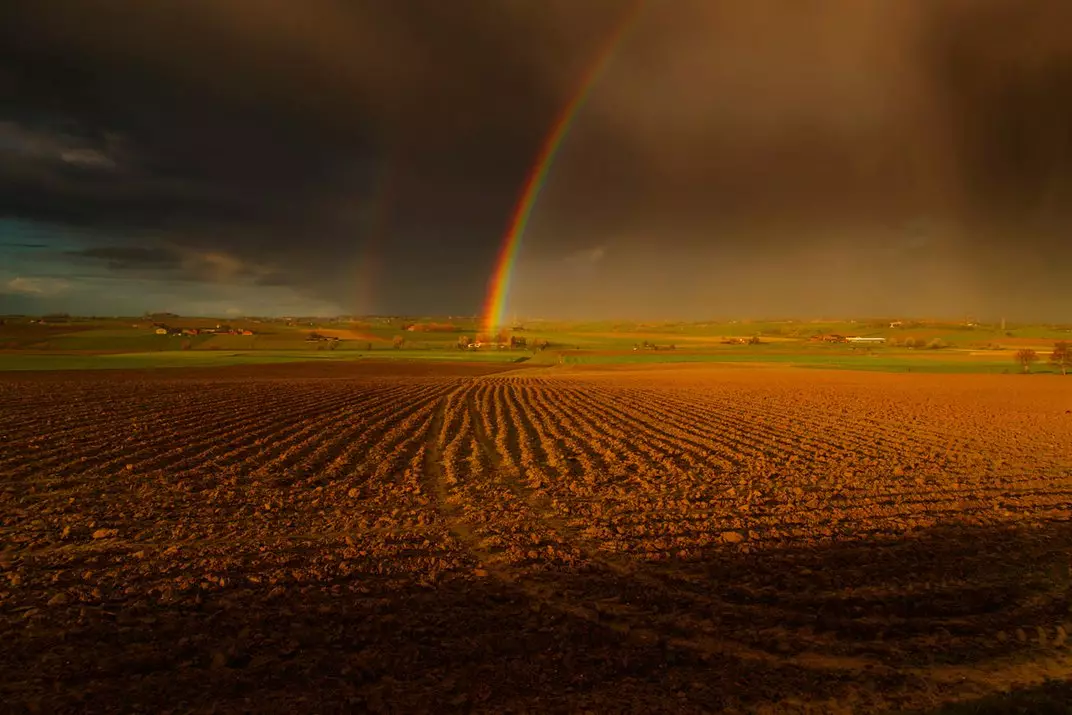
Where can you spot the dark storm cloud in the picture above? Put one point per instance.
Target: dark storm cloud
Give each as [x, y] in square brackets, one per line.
[1006, 74]
[296, 144]
[177, 263]
[795, 150]
[266, 128]
[130, 257]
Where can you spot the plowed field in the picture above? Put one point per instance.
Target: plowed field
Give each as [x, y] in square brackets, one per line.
[456, 539]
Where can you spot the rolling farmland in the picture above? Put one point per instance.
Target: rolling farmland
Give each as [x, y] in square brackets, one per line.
[437, 537]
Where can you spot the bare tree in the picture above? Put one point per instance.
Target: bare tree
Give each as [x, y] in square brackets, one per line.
[1061, 356]
[398, 342]
[1026, 357]
[463, 342]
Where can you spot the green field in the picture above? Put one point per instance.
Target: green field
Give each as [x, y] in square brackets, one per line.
[26, 344]
[158, 359]
[177, 358]
[893, 362]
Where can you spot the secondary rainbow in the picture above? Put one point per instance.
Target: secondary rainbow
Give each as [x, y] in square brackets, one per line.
[370, 259]
[502, 272]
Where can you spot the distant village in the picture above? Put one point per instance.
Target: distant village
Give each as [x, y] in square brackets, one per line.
[514, 343]
[164, 329]
[835, 338]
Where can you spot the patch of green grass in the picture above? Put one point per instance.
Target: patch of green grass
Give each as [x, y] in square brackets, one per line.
[241, 342]
[161, 359]
[818, 358]
[124, 343]
[495, 356]
[217, 358]
[608, 342]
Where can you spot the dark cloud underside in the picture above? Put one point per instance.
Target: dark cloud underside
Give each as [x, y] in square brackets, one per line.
[368, 154]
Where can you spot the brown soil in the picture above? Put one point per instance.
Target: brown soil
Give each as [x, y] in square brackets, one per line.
[442, 537]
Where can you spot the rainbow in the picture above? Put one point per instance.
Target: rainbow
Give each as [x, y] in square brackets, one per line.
[503, 269]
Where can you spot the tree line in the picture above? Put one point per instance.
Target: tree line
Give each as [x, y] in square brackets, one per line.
[1060, 357]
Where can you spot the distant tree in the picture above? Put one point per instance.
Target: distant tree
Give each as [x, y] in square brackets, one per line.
[754, 340]
[398, 342]
[1061, 356]
[936, 344]
[463, 342]
[1026, 357]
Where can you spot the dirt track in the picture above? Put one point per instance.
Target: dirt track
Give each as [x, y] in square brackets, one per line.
[397, 539]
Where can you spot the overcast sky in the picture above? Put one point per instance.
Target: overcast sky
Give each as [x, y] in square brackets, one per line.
[738, 159]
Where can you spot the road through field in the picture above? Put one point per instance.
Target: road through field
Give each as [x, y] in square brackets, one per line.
[689, 539]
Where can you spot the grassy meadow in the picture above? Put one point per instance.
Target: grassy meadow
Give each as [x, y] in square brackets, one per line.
[932, 347]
